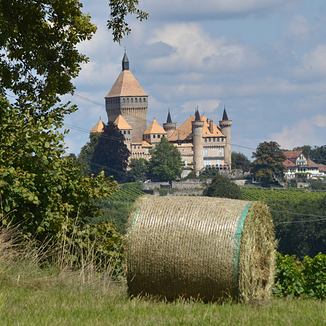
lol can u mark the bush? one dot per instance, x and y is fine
(222, 187)
(294, 278)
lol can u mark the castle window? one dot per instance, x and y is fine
(144, 99)
(158, 136)
(209, 139)
(124, 132)
(132, 100)
(206, 140)
(153, 136)
(127, 99)
(206, 152)
(140, 100)
(219, 152)
(124, 100)
(128, 132)
(136, 100)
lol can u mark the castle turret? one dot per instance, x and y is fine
(127, 98)
(225, 126)
(169, 126)
(197, 141)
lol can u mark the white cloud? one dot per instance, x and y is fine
(313, 63)
(304, 132)
(194, 50)
(319, 120)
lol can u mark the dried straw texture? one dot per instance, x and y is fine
(192, 246)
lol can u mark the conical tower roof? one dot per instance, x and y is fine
(169, 119)
(98, 127)
(225, 116)
(121, 123)
(154, 128)
(126, 85)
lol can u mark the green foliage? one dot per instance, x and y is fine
(298, 235)
(38, 43)
(208, 173)
(268, 162)
(315, 276)
(117, 22)
(87, 152)
(138, 170)
(222, 187)
(110, 153)
(165, 163)
(116, 208)
(83, 244)
(289, 277)
(240, 161)
(317, 184)
(306, 279)
(38, 185)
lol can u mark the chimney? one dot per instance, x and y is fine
(211, 126)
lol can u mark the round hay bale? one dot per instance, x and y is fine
(200, 247)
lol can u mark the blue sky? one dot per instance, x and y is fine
(264, 60)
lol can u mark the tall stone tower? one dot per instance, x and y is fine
(197, 141)
(225, 126)
(127, 98)
(169, 126)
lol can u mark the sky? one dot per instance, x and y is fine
(265, 61)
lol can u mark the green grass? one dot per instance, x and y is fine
(74, 303)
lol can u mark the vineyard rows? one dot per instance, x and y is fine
(128, 190)
(267, 195)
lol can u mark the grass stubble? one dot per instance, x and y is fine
(30, 295)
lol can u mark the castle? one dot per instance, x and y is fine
(201, 143)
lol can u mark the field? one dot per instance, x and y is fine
(63, 302)
(285, 195)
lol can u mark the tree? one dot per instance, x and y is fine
(240, 161)
(119, 10)
(268, 162)
(38, 43)
(165, 163)
(138, 170)
(87, 152)
(222, 187)
(110, 153)
(40, 188)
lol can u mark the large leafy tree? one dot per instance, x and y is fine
(240, 161)
(86, 154)
(267, 165)
(110, 153)
(39, 55)
(138, 170)
(222, 187)
(165, 163)
(40, 188)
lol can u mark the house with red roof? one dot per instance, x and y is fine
(297, 164)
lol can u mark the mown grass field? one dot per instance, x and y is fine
(76, 304)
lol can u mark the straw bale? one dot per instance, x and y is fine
(200, 247)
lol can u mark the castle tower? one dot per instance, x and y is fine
(197, 141)
(127, 98)
(225, 126)
(169, 126)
